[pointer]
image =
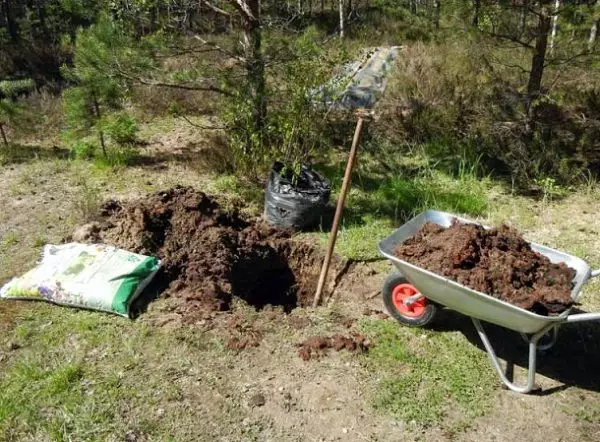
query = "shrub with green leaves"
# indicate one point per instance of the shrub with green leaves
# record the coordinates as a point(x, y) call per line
point(294, 131)
point(120, 127)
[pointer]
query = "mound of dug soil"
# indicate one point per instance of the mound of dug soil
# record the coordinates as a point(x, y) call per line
point(498, 262)
point(209, 256)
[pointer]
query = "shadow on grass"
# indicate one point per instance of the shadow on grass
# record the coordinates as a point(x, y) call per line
point(574, 360)
point(23, 153)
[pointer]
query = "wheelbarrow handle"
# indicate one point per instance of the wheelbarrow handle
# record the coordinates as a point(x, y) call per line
point(583, 317)
point(595, 273)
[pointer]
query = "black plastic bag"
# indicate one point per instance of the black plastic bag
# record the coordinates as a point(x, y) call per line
point(295, 203)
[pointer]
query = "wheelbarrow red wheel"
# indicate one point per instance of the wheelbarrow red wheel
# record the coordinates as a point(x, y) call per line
point(396, 292)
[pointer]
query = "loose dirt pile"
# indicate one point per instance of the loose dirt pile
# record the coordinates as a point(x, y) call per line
point(317, 346)
point(498, 262)
point(209, 256)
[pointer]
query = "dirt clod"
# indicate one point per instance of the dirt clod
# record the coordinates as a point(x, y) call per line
point(209, 256)
point(12, 346)
point(498, 262)
point(316, 346)
point(242, 343)
point(257, 400)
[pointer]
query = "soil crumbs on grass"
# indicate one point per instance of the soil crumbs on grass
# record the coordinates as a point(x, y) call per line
point(314, 347)
point(498, 262)
point(208, 255)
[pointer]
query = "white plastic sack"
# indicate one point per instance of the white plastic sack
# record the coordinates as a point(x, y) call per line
point(92, 276)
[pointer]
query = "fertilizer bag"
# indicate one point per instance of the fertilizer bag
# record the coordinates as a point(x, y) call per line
point(91, 276)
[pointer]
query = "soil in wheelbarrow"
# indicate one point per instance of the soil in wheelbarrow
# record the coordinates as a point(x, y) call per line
point(209, 256)
point(498, 262)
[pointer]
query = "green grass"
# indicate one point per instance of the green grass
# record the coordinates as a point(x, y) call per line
point(39, 241)
point(53, 389)
point(80, 375)
point(116, 158)
point(237, 194)
point(427, 377)
point(373, 213)
point(359, 241)
point(399, 198)
point(56, 387)
point(10, 240)
point(589, 413)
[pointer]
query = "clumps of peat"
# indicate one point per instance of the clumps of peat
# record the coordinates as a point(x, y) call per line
point(498, 262)
point(317, 346)
point(209, 256)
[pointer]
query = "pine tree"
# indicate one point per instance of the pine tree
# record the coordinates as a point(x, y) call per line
point(94, 105)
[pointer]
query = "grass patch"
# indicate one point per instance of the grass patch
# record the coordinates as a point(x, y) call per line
point(428, 378)
point(586, 413)
point(238, 194)
point(116, 158)
point(87, 200)
point(400, 198)
point(39, 241)
point(359, 241)
point(80, 375)
point(52, 389)
point(10, 239)
point(57, 392)
point(375, 208)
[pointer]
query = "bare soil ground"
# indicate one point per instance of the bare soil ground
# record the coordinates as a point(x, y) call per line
point(69, 375)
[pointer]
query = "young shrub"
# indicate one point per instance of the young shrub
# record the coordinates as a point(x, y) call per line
point(293, 132)
point(94, 105)
point(120, 127)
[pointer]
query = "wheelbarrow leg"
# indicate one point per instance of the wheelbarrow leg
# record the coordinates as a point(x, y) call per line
point(533, 341)
point(548, 345)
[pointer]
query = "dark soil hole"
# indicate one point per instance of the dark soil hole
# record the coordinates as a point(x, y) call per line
point(263, 277)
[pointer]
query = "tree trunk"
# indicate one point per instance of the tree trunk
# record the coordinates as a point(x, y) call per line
point(592, 39)
point(10, 24)
point(255, 69)
point(341, 5)
point(538, 59)
point(554, 26)
point(4, 139)
point(100, 133)
point(523, 18)
point(476, 8)
point(437, 6)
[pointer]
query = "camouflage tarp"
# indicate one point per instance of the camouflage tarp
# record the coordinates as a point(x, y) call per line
point(360, 84)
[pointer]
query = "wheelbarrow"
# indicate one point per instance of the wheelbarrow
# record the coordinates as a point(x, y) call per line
point(412, 295)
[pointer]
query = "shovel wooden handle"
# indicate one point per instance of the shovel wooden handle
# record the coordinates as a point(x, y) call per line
point(339, 211)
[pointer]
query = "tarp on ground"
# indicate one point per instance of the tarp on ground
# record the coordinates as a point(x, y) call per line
point(360, 83)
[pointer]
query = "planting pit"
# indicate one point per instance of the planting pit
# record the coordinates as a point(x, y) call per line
point(498, 262)
point(209, 256)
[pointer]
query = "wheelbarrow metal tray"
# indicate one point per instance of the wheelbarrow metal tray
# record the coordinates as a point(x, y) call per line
point(470, 302)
